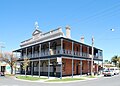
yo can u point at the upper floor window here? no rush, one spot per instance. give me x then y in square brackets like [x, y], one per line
[54, 45]
[100, 53]
[44, 47]
[77, 48]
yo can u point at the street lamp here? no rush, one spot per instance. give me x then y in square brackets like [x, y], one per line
[112, 30]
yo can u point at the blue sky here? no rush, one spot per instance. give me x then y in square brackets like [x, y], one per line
[85, 17]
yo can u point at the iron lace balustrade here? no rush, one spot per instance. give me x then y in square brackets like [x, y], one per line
[58, 51]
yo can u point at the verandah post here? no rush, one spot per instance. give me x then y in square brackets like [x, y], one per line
[80, 67]
[39, 57]
[61, 58]
[72, 57]
[49, 64]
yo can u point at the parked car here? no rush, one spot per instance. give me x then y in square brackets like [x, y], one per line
[108, 72]
[1, 74]
[115, 70]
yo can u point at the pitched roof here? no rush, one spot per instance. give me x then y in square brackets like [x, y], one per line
[36, 32]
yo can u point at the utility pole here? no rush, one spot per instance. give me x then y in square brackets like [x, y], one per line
[1, 46]
[92, 56]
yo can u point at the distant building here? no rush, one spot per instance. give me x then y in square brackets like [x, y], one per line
[54, 54]
[5, 68]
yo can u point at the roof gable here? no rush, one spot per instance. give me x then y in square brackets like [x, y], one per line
[36, 32]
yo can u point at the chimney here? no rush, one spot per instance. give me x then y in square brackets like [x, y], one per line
[82, 39]
[68, 31]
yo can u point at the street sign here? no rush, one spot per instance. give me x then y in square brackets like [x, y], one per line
[59, 60]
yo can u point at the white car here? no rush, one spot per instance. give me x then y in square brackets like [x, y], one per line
[108, 73]
[117, 71]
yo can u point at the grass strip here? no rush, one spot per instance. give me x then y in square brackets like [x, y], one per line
[91, 76]
[9, 74]
[65, 80]
[29, 78]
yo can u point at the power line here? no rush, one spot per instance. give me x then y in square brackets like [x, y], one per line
[103, 12]
[104, 15]
[107, 39]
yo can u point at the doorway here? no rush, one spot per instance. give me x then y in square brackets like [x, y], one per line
[54, 70]
[2, 69]
[77, 69]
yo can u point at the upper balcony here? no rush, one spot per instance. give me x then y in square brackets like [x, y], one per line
[64, 52]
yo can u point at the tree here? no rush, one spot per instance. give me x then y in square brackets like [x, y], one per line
[10, 59]
[0, 60]
[25, 64]
[1, 57]
[115, 59]
[119, 61]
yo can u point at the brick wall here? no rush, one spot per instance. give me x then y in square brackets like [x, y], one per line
[68, 46]
[67, 66]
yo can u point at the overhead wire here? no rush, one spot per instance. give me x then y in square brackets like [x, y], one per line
[104, 12]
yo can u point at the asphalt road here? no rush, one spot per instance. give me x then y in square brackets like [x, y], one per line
[103, 81]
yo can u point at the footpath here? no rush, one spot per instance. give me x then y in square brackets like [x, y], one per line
[45, 79]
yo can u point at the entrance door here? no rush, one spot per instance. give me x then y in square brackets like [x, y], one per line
[77, 69]
[54, 70]
[2, 68]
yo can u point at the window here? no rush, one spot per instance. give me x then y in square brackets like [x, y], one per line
[63, 66]
[82, 66]
[35, 64]
[77, 48]
[54, 44]
[73, 66]
[44, 63]
[44, 46]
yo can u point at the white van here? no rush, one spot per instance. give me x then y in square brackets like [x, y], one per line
[115, 70]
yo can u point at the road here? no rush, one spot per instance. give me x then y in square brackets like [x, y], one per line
[103, 81]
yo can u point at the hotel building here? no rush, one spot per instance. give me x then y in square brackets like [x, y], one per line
[55, 54]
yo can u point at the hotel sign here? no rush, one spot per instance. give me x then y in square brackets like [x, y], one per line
[59, 60]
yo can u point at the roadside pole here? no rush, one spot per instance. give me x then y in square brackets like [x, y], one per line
[92, 57]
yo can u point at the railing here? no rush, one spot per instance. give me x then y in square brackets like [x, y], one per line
[75, 53]
[29, 55]
[67, 52]
[98, 57]
[50, 32]
[46, 53]
[26, 40]
[57, 52]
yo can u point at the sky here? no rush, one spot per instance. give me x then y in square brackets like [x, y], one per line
[85, 17]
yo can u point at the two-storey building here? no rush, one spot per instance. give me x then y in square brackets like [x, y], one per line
[55, 54]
